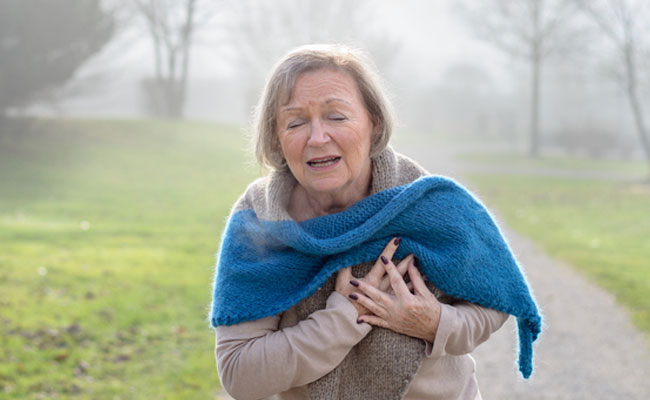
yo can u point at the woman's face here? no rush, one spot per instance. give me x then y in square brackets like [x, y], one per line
[325, 132]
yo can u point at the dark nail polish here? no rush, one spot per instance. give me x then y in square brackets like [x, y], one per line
[415, 261]
[354, 283]
[384, 259]
[353, 296]
[397, 241]
[359, 321]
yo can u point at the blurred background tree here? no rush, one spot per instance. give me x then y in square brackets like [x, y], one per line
[262, 31]
[171, 26]
[44, 54]
[625, 24]
[532, 30]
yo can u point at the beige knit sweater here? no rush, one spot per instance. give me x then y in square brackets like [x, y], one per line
[280, 354]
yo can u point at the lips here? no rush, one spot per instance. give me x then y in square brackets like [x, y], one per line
[323, 162]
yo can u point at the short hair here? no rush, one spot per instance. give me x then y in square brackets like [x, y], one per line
[311, 58]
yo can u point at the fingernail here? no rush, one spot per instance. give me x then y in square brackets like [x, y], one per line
[354, 283]
[415, 261]
[384, 259]
[359, 321]
[397, 241]
[353, 296]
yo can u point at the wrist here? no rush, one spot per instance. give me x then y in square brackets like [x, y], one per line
[432, 326]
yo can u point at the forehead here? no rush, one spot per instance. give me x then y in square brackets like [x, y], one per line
[323, 84]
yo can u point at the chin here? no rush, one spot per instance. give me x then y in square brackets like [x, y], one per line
[327, 185]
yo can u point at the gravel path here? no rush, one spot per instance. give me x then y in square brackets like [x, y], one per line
[588, 349]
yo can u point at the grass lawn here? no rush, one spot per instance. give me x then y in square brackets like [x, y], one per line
[602, 228]
[108, 231]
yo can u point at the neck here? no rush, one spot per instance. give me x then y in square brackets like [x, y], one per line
[305, 204]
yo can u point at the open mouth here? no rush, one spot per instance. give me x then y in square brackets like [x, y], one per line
[323, 162]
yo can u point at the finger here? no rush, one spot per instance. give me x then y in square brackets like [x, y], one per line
[343, 278]
[410, 286]
[373, 320]
[368, 304]
[402, 267]
[374, 294]
[344, 275]
[396, 280]
[416, 278]
[377, 271]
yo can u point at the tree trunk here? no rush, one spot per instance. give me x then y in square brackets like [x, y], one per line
[635, 103]
[536, 61]
[171, 92]
[156, 50]
[186, 43]
[640, 125]
[534, 108]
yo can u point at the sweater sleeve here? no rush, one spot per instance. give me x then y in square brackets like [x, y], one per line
[279, 359]
[462, 328]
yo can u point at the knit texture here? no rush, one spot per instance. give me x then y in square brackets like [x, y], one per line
[268, 263]
[381, 366]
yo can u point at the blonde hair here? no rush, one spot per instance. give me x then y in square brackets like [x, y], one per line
[310, 58]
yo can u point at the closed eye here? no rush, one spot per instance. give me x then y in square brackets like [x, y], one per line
[295, 124]
[337, 117]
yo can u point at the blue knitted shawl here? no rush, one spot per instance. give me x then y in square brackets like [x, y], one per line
[265, 267]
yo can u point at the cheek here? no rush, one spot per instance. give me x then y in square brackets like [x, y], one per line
[292, 147]
[358, 151]
[362, 142]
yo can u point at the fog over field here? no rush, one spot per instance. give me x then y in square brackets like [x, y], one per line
[449, 71]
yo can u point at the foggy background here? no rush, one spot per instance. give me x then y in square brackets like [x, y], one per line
[113, 197]
[452, 67]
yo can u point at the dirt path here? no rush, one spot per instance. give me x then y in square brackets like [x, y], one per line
[588, 349]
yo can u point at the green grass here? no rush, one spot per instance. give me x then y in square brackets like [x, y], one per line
[108, 231]
[601, 228]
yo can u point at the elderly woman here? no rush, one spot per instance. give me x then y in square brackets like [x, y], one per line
[349, 272]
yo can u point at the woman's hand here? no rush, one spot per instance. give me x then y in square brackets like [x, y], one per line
[376, 277]
[414, 314]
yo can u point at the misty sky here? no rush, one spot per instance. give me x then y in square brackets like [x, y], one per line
[430, 34]
[441, 76]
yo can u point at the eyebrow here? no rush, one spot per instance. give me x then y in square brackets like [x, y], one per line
[337, 99]
[328, 101]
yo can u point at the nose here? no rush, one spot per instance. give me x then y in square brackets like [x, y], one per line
[318, 135]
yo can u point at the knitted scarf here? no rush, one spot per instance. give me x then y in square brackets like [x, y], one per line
[268, 263]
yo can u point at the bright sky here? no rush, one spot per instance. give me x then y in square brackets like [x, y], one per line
[433, 39]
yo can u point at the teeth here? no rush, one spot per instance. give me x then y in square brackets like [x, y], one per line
[324, 163]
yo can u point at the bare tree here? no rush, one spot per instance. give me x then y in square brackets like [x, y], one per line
[171, 26]
[626, 23]
[262, 31]
[532, 30]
